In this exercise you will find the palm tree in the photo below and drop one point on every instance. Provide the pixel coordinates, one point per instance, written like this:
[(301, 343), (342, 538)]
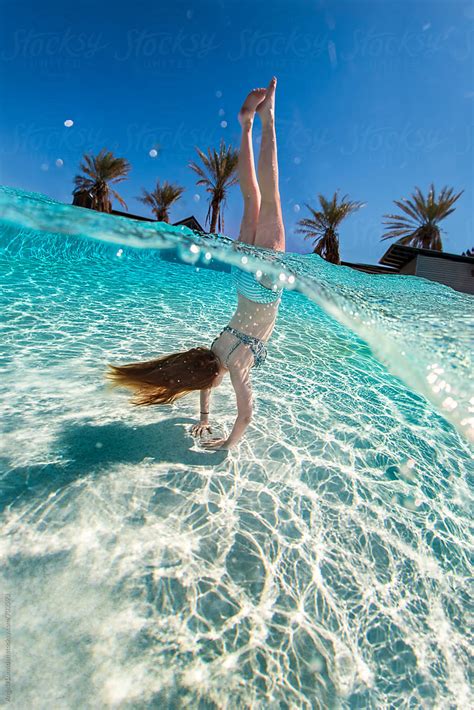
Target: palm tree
[(161, 199), (420, 227), (324, 223), (93, 189), (218, 174)]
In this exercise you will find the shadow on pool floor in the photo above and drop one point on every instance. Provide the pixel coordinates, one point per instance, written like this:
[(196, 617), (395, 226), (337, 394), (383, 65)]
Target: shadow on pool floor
[(88, 450)]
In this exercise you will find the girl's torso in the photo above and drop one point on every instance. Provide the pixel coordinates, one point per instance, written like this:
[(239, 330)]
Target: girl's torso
[(254, 319)]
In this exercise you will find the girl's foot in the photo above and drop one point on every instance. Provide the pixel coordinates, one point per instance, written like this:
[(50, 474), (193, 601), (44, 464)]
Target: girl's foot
[(266, 108), (247, 112)]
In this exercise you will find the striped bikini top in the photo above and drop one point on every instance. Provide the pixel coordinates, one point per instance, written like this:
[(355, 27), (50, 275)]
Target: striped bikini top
[(249, 286)]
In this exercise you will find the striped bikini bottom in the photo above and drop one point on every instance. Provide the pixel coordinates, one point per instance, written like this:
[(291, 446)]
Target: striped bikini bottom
[(255, 345)]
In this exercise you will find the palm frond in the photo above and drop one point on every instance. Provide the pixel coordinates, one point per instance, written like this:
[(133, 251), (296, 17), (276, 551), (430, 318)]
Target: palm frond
[(161, 198), (418, 225), (323, 224), (100, 171), (217, 174)]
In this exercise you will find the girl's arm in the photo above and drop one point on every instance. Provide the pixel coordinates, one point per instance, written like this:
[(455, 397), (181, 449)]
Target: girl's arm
[(205, 401), (243, 392), (203, 426)]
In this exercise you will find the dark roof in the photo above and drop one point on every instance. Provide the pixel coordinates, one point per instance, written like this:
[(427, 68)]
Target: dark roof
[(119, 213), (370, 268), (190, 222), (397, 255)]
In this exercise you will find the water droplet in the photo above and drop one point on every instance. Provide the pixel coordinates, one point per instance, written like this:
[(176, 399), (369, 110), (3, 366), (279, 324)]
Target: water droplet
[(449, 403), (68, 123), (223, 124), (196, 198), (59, 163), (153, 153)]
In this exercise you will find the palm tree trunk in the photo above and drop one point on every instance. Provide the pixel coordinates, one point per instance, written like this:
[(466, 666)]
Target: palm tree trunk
[(333, 255), (215, 204), (162, 215)]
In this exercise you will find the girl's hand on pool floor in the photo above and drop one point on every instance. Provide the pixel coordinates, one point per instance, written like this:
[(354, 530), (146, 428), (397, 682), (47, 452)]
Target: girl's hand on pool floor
[(214, 444), (200, 429)]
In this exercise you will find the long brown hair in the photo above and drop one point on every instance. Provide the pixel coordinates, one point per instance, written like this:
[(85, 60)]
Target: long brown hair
[(167, 378)]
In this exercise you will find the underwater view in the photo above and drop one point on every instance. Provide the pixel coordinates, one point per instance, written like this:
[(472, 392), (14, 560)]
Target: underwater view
[(324, 563)]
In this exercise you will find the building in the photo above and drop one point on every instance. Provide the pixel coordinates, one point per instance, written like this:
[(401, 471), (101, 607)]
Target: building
[(454, 270)]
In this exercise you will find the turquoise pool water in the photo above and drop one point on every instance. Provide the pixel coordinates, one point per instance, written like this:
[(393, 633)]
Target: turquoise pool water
[(323, 564)]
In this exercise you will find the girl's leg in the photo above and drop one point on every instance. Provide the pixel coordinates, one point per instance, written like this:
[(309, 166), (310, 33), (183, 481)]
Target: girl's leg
[(270, 232), (246, 168)]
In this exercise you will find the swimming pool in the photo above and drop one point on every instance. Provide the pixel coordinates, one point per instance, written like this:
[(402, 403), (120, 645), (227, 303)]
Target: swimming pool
[(324, 563)]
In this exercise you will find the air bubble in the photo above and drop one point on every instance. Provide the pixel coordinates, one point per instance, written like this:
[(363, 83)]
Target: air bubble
[(189, 255)]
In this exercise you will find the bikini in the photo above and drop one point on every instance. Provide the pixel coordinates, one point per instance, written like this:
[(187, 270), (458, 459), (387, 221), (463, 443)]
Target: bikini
[(248, 285), (255, 345)]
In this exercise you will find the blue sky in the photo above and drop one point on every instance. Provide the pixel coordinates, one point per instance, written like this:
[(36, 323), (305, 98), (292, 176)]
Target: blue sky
[(373, 98)]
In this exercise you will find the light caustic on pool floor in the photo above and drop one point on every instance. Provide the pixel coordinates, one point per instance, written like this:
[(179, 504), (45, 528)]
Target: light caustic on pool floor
[(322, 564)]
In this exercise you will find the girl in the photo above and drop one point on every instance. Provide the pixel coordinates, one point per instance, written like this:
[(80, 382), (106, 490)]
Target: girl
[(241, 345)]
